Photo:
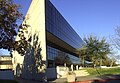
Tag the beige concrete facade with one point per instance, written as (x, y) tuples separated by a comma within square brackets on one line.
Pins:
[(35, 18)]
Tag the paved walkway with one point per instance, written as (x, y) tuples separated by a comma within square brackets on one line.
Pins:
[(79, 74), (85, 79), (27, 81), (81, 78), (92, 79), (60, 80)]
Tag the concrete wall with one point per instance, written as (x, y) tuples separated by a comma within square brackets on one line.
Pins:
[(62, 71), (36, 21), (58, 72), (17, 59), (51, 73)]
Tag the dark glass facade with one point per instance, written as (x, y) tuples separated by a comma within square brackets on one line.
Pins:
[(59, 27), (52, 53)]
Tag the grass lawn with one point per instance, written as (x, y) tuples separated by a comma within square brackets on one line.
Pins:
[(102, 71), (8, 81)]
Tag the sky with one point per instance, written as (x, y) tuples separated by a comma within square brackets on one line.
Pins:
[(97, 17), (87, 17)]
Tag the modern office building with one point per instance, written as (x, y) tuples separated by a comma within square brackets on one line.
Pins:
[(5, 62), (54, 36)]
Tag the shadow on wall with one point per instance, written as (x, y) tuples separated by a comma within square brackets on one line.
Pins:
[(33, 66), (18, 70)]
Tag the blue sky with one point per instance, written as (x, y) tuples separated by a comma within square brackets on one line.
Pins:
[(97, 17)]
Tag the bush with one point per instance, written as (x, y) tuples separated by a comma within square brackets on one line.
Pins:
[(103, 71)]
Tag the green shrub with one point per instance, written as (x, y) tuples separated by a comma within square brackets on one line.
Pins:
[(103, 71)]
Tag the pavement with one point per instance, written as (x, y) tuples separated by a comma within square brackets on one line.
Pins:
[(83, 79), (92, 79), (27, 81), (80, 79)]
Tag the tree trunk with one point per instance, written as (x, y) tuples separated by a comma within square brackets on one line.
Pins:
[(83, 61), (94, 64), (100, 62), (111, 64)]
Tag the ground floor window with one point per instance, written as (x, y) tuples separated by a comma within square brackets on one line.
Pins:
[(57, 57)]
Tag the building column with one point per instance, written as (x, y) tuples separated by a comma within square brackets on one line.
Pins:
[(76, 67), (72, 67), (64, 64)]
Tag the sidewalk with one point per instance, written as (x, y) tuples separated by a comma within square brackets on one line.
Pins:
[(28, 81), (92, 79), (85, 79), (81, 79), (78, 79), (60, 80)]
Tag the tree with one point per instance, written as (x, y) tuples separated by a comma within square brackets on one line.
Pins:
[(96, 50), (112, 60), (116, 38), (82, 54), (9, 15)]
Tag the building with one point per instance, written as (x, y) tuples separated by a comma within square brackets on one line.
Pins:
[(52, 38), (6, 67), (5, 62)]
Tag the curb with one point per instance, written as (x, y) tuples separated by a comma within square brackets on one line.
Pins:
[(99, 80), (86, 81)]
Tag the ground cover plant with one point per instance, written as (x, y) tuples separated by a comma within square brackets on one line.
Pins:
[(103, 71)]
